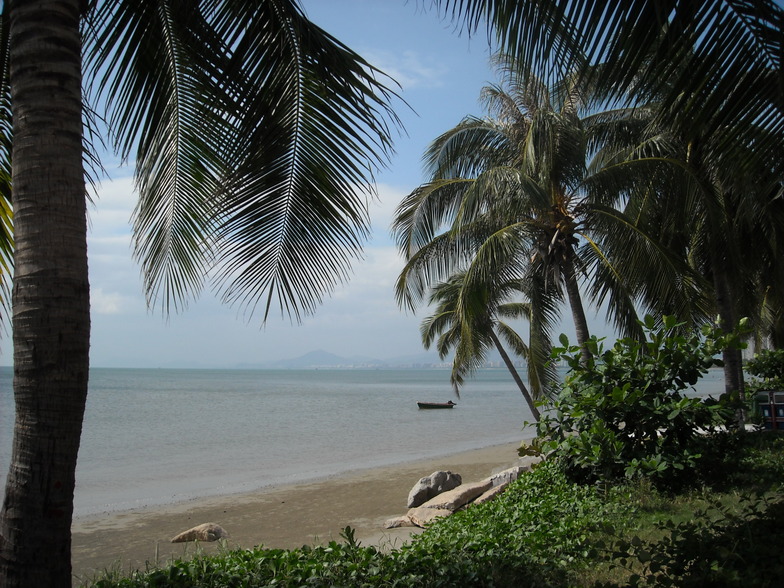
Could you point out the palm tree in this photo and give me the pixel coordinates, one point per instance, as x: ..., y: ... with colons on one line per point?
x: 250, y: 128
x: 517, y: 186
x: 469, y: 321
x: 714, y: 66
x: 730, y: 233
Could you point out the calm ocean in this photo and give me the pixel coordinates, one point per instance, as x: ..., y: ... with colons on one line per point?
x: 153, y: 437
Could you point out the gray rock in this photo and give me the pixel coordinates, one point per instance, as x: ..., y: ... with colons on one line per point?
x: 204, y: 532
x: 431, y: 486
x: 422, y: 516
x: 457, y: 497
x: 491, y: 494
x: 507, y: 476
x: 397, y: 522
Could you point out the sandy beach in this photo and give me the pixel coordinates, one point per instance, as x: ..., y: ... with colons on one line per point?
x: 276, y: 517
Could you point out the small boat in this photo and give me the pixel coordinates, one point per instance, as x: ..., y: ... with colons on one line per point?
x: 449, y: 404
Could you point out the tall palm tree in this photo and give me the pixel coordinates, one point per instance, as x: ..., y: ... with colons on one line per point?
x: 730, y: 232
x: 470, y: 321
x: 715, y: 66
x: 250, y: 128
x: 517, y: 184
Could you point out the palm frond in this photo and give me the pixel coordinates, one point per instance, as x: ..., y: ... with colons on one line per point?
x: 425, y: 212
x: 6, y: 141
x: 315, y: 123
x: 256, y: 137
x: 469, y: 148
x: 714, y: 64
x: 150, y: 63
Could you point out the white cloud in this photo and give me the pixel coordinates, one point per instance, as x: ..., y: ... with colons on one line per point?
x: 111, y: 302
x: 410, y: 69
x: 110, y: 214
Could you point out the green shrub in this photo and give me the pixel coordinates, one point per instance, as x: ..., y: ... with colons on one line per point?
x: 768, y: 367
x: 623, y: 414
x: 730, y: 546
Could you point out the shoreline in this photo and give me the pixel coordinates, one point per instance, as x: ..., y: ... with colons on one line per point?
x: 243, y: 488
x: 284, y: 516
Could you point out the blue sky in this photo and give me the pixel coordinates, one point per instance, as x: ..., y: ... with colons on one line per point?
x: 441, y: 74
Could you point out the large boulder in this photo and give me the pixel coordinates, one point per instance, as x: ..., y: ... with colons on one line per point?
x: 397, y: 522
x: 458, y: 497
x: 204, y: 532
x: 507, y: 476
x: 422, y: 516
x: 491, y: 494
x: 431, y: 486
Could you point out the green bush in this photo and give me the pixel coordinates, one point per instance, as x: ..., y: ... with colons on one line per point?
x: 730, y: 546
x: 623, y: 414
x: 768, y: 367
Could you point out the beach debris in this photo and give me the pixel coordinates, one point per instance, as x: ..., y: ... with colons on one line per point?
x: 203, y: 532
x: 432, y: 485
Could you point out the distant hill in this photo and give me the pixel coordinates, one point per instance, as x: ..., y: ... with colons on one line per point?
x: 321, y: 359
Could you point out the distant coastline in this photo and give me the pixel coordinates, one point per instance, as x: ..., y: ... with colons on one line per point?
x: 324, y: 360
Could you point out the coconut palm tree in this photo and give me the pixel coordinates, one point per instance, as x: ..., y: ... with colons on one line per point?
x: 714, y: 66
x: 471, y: 322
x: 730, y: 233
x: 250, y: 128
x: 517, y: 185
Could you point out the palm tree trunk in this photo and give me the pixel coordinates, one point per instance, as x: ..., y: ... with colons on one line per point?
x: 51, y: 311
x: 578, y: 312
x: 733, y: 358
x: 516, y: 376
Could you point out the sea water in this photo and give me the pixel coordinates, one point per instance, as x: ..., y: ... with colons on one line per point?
x: 157, y: 436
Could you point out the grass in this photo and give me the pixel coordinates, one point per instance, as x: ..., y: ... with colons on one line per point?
x: 547, y: 531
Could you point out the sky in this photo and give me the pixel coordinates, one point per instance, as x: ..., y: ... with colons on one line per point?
x: 441, y: 74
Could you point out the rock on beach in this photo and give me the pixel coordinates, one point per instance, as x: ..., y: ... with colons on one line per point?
x: 431, y: 486
x: 203, y: 532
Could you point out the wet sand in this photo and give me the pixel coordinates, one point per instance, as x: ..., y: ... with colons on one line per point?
x: 276, y: 517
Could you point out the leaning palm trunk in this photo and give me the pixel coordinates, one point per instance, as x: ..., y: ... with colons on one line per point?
x: 576, y: 305
x: 518, y: 380
x: 732, y: 358
x: 51, y: 311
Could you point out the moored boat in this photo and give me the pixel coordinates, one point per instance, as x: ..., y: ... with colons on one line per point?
x: 449, y: 404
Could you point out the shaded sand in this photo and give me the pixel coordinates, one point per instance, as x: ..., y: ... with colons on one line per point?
x: 282, y: 517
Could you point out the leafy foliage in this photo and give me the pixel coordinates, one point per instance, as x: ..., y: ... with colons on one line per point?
x: 712, y: 62
x: 624, y: 414
x: 543, y: 523
x: 768, y: 365
x: 717, y: 547
x: 256, y: 135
